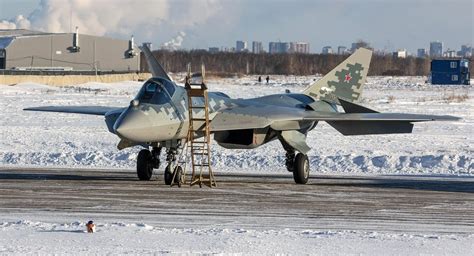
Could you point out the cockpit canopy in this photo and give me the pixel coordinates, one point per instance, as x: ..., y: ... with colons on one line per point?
x: 156, y: 91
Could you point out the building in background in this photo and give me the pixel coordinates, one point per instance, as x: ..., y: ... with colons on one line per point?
x: 341, y: 50
x: 450, y: 54
x: 450, y: 72
x: 278, y: 47
x: 421, y: 53
x: 33, y: 50
x: 466, y: 51
x: 257, y: 47
x: 401, y: 53
x: 214, y: 49
x: 436, y: 49
x: 299, y: 47
x: 327, y: 50
x: 241, y: 46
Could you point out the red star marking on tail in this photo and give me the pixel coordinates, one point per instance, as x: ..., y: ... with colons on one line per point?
x: 348, y: 78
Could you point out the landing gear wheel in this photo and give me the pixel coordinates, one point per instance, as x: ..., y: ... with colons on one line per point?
x: 144, y: 165
x: 168, y: 175
x: 178, y: 175
x: 301, y: 169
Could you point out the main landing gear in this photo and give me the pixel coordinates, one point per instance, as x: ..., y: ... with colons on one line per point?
x: 298, y: 165
x: 147, y: 161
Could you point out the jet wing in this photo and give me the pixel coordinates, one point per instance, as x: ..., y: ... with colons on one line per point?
x: 284, y: 118
x: 86, y: 110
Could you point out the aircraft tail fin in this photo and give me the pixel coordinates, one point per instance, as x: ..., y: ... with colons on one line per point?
x: 345, y: 81
x: 153, y: 64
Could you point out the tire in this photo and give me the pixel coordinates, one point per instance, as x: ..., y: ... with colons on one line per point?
x: 144, y: 165
x: 178, y: 178
x: 301, y: 169
x: 168, y: 175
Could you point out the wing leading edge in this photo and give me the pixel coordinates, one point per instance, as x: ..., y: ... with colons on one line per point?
x: 86, y: 110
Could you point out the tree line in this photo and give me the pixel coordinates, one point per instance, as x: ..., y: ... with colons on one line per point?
x: 284, y: 64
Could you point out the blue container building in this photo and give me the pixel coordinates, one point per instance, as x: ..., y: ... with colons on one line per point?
x: 450, y: 72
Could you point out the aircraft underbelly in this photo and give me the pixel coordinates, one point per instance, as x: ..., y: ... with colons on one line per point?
x: 245, y: 138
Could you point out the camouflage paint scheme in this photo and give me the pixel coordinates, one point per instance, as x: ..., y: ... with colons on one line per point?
x: 249, y: 123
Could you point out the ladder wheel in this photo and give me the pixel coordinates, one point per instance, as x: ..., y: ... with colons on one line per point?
x: 168, y: 175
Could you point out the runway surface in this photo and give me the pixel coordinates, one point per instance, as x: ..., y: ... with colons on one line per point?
x: 370, y: 203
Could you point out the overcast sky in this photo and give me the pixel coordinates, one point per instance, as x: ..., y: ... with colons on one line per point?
x: 386, y: 24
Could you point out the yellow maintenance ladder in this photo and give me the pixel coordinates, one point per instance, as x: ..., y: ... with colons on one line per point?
x: 199, y: 134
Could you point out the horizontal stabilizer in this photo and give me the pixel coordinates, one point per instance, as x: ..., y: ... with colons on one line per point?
x: 371, y: 127
x: 372, y: 117
x: 86, y: 110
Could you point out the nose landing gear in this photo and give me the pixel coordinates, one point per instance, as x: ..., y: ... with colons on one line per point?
x: 170, y: 158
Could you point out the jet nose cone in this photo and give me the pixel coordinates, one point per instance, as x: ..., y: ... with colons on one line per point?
x: 133, y: 125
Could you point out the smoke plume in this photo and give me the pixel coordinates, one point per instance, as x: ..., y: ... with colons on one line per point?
x: 147, y: 20
x: 175, y: 43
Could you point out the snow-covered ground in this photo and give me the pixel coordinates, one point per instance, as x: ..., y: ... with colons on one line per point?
x: 43, y: 238
x: 37, y: 139
x: 51, y: 139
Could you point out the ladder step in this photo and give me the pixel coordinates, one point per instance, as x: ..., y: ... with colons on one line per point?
x: 199, y: 119
x: 196, y: 93
x: 200, y: 130
x: 199, y: 148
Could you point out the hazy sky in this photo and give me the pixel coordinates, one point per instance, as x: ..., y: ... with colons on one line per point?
x: 393, y: 24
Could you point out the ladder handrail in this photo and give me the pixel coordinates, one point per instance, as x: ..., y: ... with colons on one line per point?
x: 200, y: 155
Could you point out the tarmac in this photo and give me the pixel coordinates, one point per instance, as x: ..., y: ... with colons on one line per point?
x: 428, y: 204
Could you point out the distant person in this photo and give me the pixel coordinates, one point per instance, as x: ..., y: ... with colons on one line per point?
x: 259, y: 79
x: 268, y: 79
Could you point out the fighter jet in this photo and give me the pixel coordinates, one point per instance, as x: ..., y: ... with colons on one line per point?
x: 157, y: 117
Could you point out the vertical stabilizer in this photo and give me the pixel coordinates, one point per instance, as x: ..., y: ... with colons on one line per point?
x: 345, y: 81
x: 153, y: 64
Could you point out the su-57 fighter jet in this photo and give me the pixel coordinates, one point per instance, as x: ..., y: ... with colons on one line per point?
x: 158, y: 116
